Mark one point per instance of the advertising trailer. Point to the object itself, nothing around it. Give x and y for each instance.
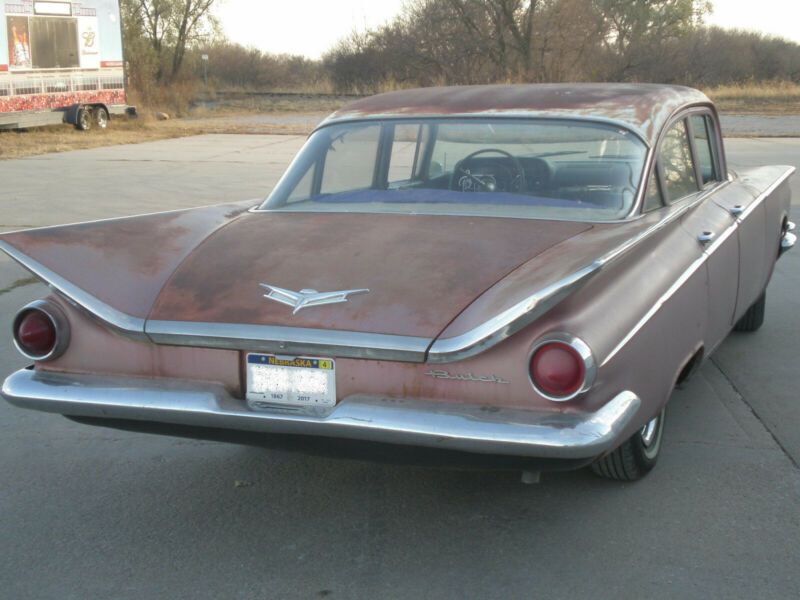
(61, 62)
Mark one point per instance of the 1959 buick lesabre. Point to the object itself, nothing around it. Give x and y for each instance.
(511, 273)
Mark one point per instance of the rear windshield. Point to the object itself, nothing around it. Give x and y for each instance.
(554, 169)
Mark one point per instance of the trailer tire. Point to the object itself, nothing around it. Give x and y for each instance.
(100, 117)
(83, 119)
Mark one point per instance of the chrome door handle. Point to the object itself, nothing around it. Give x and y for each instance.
(737, 210)
(705, 237)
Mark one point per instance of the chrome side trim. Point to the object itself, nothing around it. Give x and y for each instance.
(468, 428)
(289, 340)
(582, 348)
(510, 321)
(699, 262)
(130, 326)
(729, 231)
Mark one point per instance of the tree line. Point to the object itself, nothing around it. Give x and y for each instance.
(449, 42)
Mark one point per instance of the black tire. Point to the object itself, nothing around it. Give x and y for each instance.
(637, 456)
(753, 319)
(100, 115)
(83, 120)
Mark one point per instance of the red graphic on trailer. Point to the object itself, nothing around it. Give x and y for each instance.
(46, 101)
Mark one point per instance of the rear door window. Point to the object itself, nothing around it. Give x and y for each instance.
(702, 133)
(676, 159)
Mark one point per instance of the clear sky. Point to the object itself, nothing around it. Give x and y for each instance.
(310, 27)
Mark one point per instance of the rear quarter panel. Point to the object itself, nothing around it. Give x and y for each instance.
(770, 215)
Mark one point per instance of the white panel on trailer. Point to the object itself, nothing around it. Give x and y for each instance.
(58, 57)
(3, 38)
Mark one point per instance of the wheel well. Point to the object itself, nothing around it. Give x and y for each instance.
(100, 105)
(690, 367)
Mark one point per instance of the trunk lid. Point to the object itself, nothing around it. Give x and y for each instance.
(422, 271)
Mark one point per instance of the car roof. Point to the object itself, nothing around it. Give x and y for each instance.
(643, 108)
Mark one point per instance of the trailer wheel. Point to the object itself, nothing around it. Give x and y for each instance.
(83, 121)
(101, 117)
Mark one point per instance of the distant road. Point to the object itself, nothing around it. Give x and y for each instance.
(761, 126)
(732, 125)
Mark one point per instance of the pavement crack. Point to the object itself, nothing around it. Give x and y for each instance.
(18, 284)
(741, 396)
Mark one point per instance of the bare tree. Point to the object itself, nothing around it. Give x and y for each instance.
(187, 18)
(637, 31)
(170, 26)
(504, 29)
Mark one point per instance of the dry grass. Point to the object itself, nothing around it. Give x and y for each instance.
(60, 138)
(63, 138)
(766, 98)
(242, 102)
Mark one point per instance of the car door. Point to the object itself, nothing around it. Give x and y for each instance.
(708, 225)
(755, 257)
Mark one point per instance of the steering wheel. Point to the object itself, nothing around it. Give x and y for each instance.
(464, 180)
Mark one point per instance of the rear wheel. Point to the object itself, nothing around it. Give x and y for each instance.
(637, 456)
(83, 122)
(753, 319)
(101, 117)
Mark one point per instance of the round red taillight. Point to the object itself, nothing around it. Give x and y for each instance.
(558, 370)
(41, 331)
(36, 333)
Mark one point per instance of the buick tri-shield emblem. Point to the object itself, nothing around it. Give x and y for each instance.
(307, 298)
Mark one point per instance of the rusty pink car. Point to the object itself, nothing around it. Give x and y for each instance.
(512, 273)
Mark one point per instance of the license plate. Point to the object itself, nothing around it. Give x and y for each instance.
(290, 381)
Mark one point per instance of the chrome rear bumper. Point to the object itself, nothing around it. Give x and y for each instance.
(468, 428)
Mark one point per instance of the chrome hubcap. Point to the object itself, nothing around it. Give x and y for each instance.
(649, 432)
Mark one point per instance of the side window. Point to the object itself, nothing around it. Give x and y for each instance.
(405, 152)
(652, 199)
(702, 133)
(350, 162)
(676, 159)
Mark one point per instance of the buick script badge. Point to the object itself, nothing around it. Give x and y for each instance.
(439, 374)
(307, 298)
